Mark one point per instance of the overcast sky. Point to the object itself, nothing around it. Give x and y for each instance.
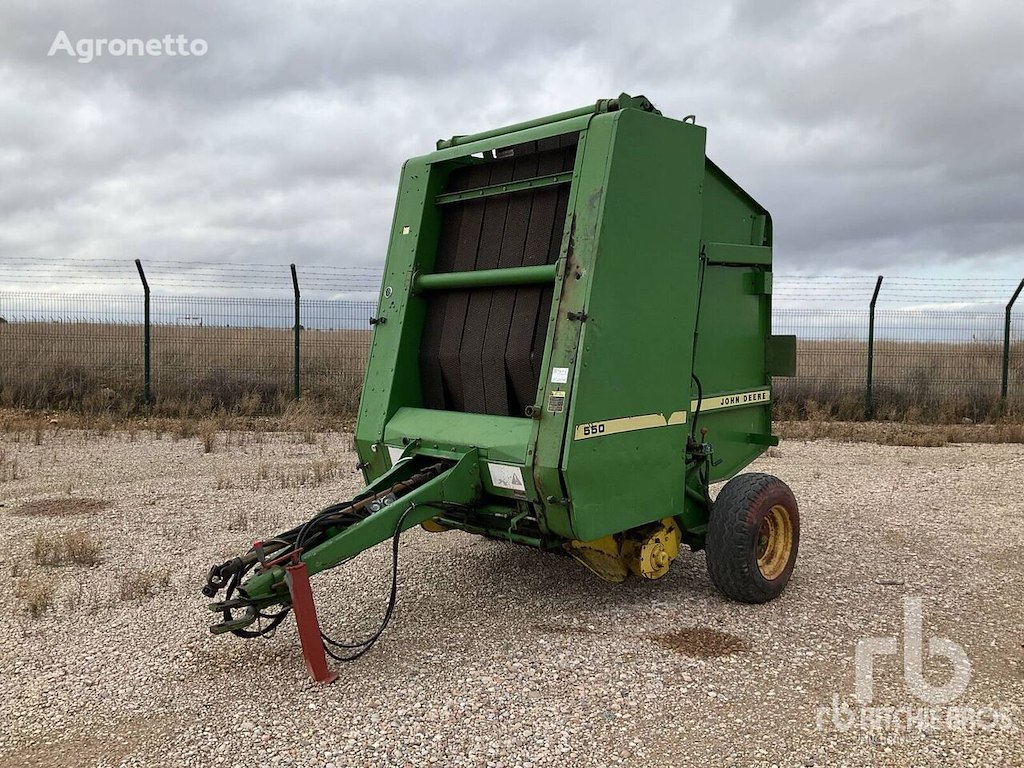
(883, 136)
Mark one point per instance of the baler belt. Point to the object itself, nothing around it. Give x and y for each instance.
(481, 349)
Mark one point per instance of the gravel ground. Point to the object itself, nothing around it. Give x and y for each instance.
(497, 655)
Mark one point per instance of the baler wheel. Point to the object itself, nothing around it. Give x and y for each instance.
(753, 537)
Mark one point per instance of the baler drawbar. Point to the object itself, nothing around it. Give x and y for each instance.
(572, 343)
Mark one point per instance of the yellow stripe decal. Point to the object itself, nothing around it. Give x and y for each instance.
(628, 424)
(755, 397)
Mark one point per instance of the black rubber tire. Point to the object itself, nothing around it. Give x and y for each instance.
(733, 531)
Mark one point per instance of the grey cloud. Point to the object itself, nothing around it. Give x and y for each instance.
(876, 133)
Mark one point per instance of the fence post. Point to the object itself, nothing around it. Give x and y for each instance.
(869, 396)
(295, 284)
(1006, 343)
(147, 394)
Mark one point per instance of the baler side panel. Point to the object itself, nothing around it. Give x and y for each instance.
(636, 342)
(735, 319)
(392, 372)
(730, 214)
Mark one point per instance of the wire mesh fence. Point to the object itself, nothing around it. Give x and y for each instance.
(238, 353)
(928, 365)
(235, 354)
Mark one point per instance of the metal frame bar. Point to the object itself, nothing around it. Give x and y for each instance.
(506, 188)
(604, 105)
(1005, 384)
(459, 484)
(298, 327)
(487, 278)
(297, 579)
(869, 397)
(147, 391)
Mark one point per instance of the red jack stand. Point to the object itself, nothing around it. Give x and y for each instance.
(297, 578)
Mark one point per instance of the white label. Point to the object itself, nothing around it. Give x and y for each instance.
(395, 454)
(506, 476)
(559, 375)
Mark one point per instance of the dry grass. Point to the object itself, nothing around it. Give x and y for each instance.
(243, 379)
(96, 368)
(36, 595)
(896, 433)
(304, 418)
(208, 434)
(312, 476)
(67, 548)
(143, 583)
(919, 382)
(8, 467)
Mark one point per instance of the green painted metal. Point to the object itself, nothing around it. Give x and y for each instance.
(869, 389)
(511, 187)
(502, 438)
(624, 101)
(539, 122)
(738, 254)
(492, 533)
(296, 389)
(657, 356)
(486, 278)
(636, 344)
(460, 485)
(661, 249)
(780, 355)
(147, 370)
(1005, 384)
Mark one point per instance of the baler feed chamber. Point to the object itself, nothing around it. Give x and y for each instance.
(482, 347)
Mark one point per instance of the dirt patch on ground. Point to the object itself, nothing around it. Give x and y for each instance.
(64, 506)
(702, 643)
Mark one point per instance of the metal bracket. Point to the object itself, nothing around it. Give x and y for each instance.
(297, 578)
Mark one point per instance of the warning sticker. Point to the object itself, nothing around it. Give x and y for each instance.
(559, 375)
(507, 476)
(556, 401)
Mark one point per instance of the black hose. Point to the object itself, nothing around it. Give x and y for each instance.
(362, 646)
(696, 411)
(307, 535)
(696, 324)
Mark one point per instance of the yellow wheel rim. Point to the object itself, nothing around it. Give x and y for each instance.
(774, 543)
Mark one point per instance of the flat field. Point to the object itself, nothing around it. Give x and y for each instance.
(97, 369)
(497, 655)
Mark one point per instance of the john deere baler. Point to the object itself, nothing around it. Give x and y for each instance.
(573, 341)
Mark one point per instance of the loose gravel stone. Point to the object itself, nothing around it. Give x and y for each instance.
(497, 655)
